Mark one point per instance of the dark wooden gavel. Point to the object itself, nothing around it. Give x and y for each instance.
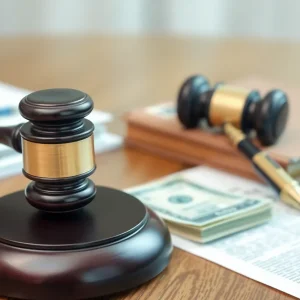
(112, 244)
(57, 146)
(222, 103)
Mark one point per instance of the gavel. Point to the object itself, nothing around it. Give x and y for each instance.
(243, 108)
(58, 149)
(96, 240)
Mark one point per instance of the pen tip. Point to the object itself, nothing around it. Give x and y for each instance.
(291, 195)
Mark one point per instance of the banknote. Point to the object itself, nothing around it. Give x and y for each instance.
(180, 200)
(199, 211)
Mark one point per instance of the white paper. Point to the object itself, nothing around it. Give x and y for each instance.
(107, 142)
(11, 95)
(269, 253)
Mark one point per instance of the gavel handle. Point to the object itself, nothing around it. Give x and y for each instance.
(11, 137)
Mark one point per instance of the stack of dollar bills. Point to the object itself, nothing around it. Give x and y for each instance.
(199, 212)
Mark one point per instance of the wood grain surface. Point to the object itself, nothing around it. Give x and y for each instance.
(121, 73)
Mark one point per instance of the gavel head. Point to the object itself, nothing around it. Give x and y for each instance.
(224, 103)
(58, 149)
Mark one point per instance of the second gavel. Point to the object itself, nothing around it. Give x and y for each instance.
(223, 103)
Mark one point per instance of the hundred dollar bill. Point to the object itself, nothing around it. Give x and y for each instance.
(200, 212)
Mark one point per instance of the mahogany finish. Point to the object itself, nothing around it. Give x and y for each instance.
(111, 245)
(75, 240)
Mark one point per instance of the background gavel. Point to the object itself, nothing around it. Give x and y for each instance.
(243, 108)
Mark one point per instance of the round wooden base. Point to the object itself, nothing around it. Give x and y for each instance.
(113, 244)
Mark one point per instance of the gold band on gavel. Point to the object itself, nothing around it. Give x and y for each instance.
(227, 105)
(58, 160)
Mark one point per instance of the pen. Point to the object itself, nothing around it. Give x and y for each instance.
(287, 187)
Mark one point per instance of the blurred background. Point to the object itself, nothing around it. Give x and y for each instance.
(272, 19)
(137, 52)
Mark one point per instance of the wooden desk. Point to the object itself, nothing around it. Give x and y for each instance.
(122, 73)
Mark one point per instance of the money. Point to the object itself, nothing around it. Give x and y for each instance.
(199, 212)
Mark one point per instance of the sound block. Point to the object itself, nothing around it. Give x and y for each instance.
(113, 244)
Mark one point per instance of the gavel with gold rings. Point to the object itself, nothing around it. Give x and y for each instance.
(58, 149)
(224, 103)
(76, 240)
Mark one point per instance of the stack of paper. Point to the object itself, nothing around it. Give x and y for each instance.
(11, 162)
